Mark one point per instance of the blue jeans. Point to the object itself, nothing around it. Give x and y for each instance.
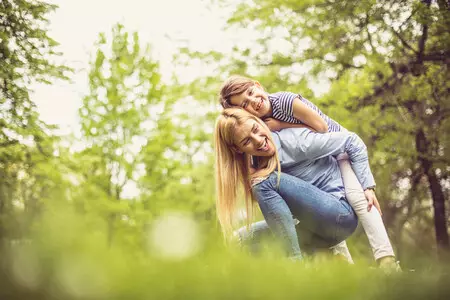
(324, 220)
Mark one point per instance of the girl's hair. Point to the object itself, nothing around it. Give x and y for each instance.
(234, 85)
(233, 168)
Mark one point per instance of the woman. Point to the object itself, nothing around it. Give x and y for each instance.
(309, 189)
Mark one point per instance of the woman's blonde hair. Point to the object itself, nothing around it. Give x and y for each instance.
(233, 168)
(234, 85)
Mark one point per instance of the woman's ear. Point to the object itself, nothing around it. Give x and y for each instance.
(236, 149)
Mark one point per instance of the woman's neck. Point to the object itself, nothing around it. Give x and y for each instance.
(260, 162)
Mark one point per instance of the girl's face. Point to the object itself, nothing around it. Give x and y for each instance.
(254, 100)
(253, 138)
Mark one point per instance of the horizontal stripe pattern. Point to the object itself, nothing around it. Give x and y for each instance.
(282, 109)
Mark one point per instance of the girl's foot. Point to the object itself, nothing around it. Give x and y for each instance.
(389, 265)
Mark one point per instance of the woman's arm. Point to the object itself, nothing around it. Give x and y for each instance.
(308, 116)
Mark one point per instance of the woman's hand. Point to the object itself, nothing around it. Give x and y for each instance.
(373, 201)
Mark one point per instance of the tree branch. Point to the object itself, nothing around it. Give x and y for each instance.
(388, 86)
(403, 41)
(346, 65)
(369, 36)
(408, 18)
(443, 57)
(9, 143)
(443, 5)
(424, 37)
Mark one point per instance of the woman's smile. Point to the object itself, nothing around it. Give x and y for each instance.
(251, 137)
(265, 146)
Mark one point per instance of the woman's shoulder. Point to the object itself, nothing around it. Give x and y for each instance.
(290, 138)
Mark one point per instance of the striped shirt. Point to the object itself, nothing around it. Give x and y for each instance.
(282, 110)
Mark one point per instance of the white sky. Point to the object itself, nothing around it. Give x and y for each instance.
(164, 24)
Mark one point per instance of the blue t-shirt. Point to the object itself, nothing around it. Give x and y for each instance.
(310, 155)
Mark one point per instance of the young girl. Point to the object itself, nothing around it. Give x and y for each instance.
(284, 109)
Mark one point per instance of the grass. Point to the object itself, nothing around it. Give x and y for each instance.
(67, 259)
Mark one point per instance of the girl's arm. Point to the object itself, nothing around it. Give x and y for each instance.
(277, 125)
(308, 116)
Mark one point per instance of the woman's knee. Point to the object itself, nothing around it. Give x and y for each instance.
(346, 225)
(252, 236)
(265, 185)
(268, 197)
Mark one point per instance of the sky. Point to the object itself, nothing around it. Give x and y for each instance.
(166, 25)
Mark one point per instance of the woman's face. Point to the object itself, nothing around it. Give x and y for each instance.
(253, 138)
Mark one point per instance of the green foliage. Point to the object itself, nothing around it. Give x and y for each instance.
(26, 148)
(124, 87)
(26, 52)
(124, 84)
(137, 134)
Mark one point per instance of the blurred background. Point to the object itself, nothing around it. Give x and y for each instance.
(107, 111)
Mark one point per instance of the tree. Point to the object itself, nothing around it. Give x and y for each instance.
(26, 52)
(124, 84)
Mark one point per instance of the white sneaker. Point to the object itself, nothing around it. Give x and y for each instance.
(342, 249)
(389, 265)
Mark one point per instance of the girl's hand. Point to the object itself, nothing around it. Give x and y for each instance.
(273, 124)
(373, 201)
(251, 169)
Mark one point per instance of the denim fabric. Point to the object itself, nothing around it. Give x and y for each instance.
(325, 219)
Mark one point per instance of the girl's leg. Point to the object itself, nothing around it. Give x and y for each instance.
(371, 221)
(332, 219)
(342, 249)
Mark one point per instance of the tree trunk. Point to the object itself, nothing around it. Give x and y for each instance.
(110, 221)
(440, 220)
(1, 215)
